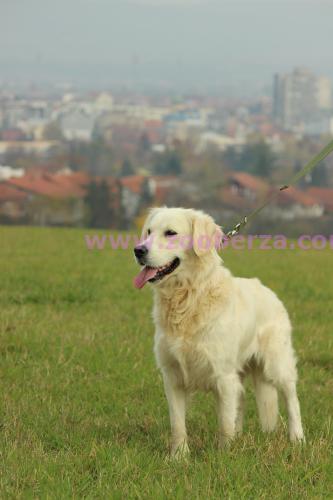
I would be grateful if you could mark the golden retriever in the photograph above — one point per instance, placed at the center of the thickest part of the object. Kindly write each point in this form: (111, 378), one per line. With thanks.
(213, 328)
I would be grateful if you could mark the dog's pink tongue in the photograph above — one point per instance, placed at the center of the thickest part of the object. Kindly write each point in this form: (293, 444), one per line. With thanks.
(145, 275)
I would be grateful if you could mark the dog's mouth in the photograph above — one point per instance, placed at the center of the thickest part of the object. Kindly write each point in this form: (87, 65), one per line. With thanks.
(153, 274)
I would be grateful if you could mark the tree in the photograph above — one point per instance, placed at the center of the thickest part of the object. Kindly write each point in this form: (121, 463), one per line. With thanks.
(319, 176)
(262, 159)
(256, 158)
(233, 159)
(98, 201)
(95, 157)
(126, 168)
(168, 164)
(146, 195)
(144, 143)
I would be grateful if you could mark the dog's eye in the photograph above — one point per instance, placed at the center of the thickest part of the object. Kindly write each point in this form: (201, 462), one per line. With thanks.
(169, 232)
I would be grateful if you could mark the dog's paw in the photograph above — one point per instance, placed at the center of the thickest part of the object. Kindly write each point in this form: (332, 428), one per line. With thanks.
(180, 452)
(297, 437)
(225, 442)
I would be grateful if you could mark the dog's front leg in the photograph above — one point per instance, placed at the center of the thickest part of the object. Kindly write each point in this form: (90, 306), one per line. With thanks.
(228, 394)
(176, 397)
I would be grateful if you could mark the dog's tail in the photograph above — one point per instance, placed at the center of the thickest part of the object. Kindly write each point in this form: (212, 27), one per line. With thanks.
(267, 402)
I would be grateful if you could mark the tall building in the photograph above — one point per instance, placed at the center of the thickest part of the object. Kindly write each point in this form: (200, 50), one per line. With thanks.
(302, 101)
(324, 93)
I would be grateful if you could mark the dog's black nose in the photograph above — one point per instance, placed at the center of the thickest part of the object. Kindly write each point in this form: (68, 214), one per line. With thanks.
(140, 251)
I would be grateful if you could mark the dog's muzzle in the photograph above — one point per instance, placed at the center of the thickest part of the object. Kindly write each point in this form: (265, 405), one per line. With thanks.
(140, 253)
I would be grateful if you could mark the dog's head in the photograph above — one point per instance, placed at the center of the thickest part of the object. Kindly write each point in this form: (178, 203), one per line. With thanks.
(173, 241)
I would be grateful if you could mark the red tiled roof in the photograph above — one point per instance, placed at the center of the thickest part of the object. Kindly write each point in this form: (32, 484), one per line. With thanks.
(37, 185)
(81, 177)
(324, 196)
(52, 185)
(9, 193)
(249, 181)
(133, 183)
(294, 195)
(162, 186)
(289, 196)
(71, 184)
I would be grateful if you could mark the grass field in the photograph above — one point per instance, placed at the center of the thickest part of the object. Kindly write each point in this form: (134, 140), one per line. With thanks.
(83, 412)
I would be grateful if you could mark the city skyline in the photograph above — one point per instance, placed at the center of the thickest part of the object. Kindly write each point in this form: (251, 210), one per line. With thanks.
(199, 45)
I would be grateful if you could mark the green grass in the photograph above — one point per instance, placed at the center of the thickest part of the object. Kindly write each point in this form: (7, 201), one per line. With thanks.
(83, 412)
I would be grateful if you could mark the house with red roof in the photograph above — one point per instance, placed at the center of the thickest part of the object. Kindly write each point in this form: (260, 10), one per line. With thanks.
(161, 186)
(45, 197)
(135, 192)
(241, 193)
(323, 196)
(247, 186)
(13, 204)
(50, 199)
(292, 203)
(244, 192)
(59, 198)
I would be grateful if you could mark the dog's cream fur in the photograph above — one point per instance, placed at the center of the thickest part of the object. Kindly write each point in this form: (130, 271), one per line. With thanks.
(212, 329)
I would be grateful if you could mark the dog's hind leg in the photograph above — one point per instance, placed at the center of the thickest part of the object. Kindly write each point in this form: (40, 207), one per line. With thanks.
(284, 378)
(279, 367)
(267, 402)
(288, 388)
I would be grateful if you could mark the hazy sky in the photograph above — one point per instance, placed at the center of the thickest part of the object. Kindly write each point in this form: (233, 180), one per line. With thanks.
(202, 42)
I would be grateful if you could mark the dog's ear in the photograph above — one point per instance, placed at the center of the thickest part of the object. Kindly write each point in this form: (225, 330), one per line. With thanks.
(206, 234)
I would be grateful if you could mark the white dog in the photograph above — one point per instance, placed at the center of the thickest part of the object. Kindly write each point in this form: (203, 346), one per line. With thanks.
(212, 328)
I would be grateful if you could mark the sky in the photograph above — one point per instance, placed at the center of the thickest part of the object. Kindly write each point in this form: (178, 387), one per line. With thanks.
(184, 43)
